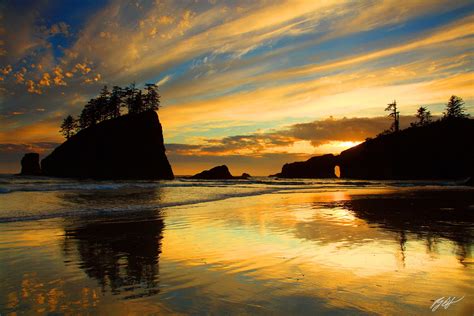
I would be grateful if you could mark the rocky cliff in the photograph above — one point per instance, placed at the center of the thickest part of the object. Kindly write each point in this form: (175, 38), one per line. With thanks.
(441, 150)
(128, 147)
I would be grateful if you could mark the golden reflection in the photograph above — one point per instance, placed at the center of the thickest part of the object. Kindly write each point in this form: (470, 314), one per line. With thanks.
(50, 297)
(339, 196)
(263, 254)
(317, 247)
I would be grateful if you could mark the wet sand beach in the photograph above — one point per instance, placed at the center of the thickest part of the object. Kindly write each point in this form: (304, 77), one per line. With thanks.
(353, 250)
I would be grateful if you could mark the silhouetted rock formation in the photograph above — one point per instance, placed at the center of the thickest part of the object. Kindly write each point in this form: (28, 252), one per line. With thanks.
(128, 147)
(315, 167)
(441, 150)
(219, 172)
(30, 164)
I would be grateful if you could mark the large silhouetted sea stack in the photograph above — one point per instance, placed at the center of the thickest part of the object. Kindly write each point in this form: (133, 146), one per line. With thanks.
(127, 147)
(441, 150)
(30, 165)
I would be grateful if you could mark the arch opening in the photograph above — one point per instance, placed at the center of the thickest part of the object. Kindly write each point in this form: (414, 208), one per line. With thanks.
(337, 171)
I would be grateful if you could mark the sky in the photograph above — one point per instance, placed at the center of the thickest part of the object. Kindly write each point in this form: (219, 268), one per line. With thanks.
(251, 84)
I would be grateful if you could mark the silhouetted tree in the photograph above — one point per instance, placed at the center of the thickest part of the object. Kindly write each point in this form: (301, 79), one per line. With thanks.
(108, 104)
(423, 117)
(131, 96)
(68, 126)
(115, 102)
(395, 115)
(151, 98)
(138, 105)
(102, 105)
(455, 108)
(90, 115)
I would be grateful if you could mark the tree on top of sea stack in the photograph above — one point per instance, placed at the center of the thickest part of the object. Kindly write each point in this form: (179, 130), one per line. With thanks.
(108, 105)
(423, 117)
(115, 102)
(395, 115)
(151, 100)
(68, 126)
(455, 108)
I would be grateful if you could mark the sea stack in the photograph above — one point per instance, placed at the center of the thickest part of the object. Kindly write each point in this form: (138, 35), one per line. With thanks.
(219, 172)
(30, 165)
(127, 147)
(315, 167)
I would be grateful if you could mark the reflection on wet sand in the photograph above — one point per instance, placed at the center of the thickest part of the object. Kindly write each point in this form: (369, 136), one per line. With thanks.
(422, 215)
(120, 255)
(295, 248)
(346, 252)
(120, 251)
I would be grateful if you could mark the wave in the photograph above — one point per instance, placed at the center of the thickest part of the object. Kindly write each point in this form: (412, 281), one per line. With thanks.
(130, 208)
(49, 184)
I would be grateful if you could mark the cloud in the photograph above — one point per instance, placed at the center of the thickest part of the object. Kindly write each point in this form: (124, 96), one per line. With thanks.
(6, 70)
(263, 165)
(32, 87)
(456, 30)
(255, 63)
(316, 133)
(345, 129)
(40, 147)
(44, 131)
(164, 80)
(58, 77)
(93, 79)
(20, 76)
(265, 152)
(82, 67)
(59, 28)
(45, 80)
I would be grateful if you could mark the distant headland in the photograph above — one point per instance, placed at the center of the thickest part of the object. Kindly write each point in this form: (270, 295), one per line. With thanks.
(441, 149)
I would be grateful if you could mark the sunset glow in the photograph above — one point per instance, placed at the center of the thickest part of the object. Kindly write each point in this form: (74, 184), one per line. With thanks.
(251, 84)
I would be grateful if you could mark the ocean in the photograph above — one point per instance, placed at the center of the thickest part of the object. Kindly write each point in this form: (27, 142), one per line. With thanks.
(259, 246)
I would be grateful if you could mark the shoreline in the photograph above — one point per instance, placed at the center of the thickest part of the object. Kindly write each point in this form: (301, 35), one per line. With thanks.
(261, 254)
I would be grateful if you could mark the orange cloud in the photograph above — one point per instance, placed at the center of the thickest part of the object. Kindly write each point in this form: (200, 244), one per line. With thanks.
(58, 79)
(32, 87)
(6, 70)
(82, 67)
(45, 80)
(37, 132)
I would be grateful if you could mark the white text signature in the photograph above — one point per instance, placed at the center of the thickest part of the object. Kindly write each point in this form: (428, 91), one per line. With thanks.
(444, 302)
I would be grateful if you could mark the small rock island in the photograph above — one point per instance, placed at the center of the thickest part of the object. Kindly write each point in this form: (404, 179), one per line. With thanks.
(30, 165)
(218, 173)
